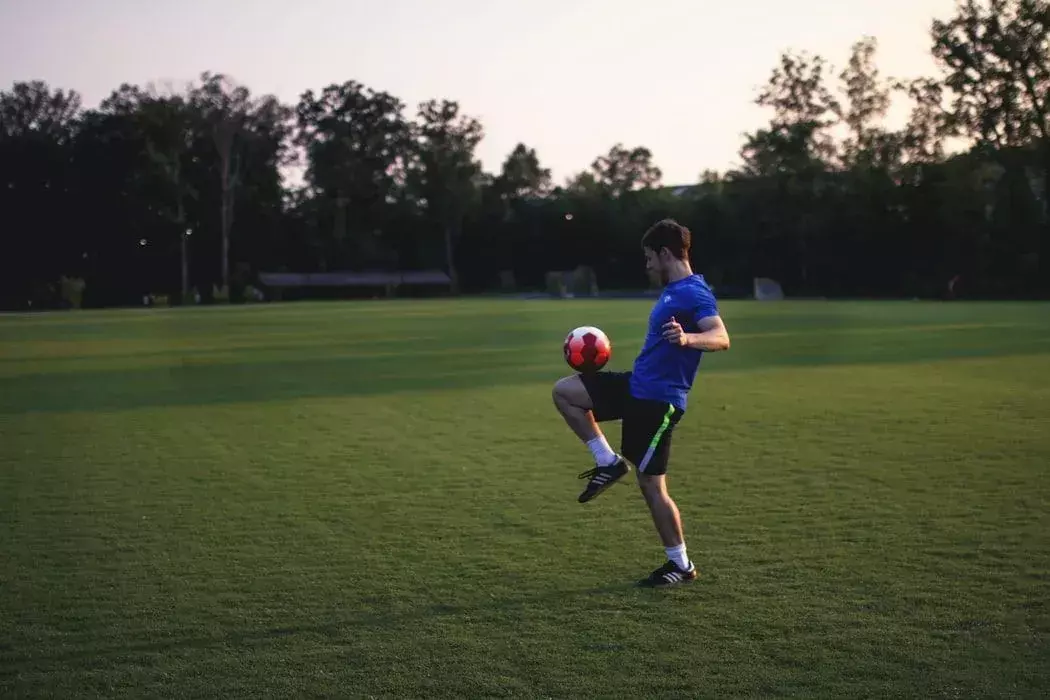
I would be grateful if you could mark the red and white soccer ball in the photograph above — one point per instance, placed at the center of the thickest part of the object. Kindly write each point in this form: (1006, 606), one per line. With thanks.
(587, 349)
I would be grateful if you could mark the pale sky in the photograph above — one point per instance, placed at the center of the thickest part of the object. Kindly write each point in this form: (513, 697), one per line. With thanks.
(567, 77)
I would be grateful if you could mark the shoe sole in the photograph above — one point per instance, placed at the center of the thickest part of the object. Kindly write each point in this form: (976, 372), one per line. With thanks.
(646, 583)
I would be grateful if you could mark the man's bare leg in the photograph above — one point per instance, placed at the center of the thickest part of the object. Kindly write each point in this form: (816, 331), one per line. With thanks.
(668, 522)
(575, 405)
(666, 518)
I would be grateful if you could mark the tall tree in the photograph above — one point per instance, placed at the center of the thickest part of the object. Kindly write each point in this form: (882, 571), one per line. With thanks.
(356, 140)
(38, 126)
(781, 150)
(115, 197)
(446, 174)
(242, 129)
(997, 64)
(787, 162)
(33, 108)
(803, 106)
(624, 170)
(170, 127)
(513, 194)
(867, 99)
(798, 138)
(996, 57)
(266, 149)
(922, 140)
(225, 110)
(522, 176)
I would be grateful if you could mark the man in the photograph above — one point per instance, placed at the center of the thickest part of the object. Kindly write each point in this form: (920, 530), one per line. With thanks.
(652, 397)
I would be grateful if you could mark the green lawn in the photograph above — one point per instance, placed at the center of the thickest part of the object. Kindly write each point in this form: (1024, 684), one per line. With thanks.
(379, 500)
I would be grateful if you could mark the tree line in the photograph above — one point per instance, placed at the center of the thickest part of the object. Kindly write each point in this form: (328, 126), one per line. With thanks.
(180, 192)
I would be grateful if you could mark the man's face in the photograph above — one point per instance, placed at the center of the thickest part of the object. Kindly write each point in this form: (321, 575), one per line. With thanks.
(655, 266)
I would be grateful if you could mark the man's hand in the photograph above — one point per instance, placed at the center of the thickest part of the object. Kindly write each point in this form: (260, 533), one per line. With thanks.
(673, 333)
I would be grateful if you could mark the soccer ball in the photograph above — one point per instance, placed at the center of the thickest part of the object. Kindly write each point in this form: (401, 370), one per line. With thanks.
(587, 349)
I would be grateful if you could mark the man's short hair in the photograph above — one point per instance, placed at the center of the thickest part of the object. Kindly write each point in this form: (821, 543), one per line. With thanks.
(669, 234)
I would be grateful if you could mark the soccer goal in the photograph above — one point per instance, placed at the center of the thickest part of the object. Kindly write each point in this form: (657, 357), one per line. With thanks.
(766, 289)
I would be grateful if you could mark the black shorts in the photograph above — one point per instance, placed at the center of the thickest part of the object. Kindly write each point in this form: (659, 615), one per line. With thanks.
(647, 426)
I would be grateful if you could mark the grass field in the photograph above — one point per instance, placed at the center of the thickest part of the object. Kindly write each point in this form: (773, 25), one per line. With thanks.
(379, 500)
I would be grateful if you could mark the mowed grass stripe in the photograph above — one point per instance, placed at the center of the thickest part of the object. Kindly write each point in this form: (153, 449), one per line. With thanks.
(465, 356)
(58, 350)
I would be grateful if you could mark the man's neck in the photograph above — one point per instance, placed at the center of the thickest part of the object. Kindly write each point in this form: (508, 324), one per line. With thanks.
(679, 271)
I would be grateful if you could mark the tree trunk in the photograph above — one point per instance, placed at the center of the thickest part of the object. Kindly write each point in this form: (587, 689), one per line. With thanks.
(180, 221)
(225, 246)
(185, 271)
(338, 256)
(185, 256)
(224, 222)
(1042, 244)
(449, 259)
(225, 134)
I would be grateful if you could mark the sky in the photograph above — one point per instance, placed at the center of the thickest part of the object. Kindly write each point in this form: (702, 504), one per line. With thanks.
(570, 78)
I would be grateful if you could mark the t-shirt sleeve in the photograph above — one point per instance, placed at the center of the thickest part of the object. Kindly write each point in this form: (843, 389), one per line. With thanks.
(704, 305)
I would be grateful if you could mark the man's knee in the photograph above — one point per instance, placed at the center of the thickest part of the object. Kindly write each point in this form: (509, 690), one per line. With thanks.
(570, 391)
(652, 485)
(560, 392)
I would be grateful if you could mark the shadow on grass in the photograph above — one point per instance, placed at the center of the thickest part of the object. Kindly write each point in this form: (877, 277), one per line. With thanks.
(224, 381)
(339, 627)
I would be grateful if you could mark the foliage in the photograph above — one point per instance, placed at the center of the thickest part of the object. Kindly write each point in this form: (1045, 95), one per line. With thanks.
(172, 192)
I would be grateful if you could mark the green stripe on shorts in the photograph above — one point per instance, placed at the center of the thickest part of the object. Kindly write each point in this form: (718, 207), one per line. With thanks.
(656, 438)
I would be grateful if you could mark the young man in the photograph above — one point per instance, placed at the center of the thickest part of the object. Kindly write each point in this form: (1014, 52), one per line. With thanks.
(651, 398)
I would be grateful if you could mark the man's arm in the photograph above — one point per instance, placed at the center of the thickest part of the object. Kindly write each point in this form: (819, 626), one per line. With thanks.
(712, 337)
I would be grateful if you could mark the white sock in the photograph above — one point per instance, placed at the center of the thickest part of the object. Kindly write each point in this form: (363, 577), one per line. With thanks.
(678, 556)
(603, 454)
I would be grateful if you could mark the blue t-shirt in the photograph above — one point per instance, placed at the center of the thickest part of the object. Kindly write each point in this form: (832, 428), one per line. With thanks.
(662, 371)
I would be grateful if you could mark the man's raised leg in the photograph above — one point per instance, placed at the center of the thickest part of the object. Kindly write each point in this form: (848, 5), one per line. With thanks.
(574, 403)
(576, 407)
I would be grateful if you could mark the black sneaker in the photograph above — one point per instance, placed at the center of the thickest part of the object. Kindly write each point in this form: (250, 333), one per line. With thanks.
(670, 575)
(602, 478)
